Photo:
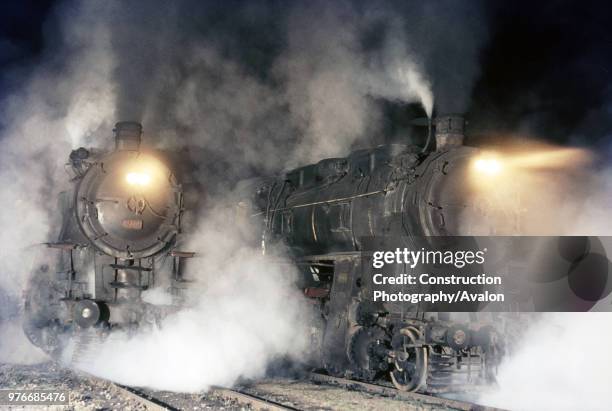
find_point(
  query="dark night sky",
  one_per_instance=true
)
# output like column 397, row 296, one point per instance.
column 21, row 29
column 548, row 63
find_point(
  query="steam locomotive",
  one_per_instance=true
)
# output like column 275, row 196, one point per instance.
column 121, row 223
column 325, row 212
column 121, row 232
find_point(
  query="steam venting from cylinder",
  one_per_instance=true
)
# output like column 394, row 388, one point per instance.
column 450, row 131
column 127, row 135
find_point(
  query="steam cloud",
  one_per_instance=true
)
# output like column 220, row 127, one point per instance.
column 562, row 363
column 244, row 314
column 299, row 82
column 63, row 103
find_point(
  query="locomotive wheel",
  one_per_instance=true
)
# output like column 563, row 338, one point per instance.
column 410, row 371
column 359, row 351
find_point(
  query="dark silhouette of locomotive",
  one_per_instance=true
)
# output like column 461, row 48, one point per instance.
column 122, row 221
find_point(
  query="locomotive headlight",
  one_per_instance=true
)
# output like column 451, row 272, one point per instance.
column 138, row 179
column 488, row 166
column 459, row 337
column 86, row 313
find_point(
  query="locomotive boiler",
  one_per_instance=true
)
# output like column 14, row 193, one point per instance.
column 323, row 212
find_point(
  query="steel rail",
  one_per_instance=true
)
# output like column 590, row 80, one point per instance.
column 393, row 392
column 255, row 402
column 154, row 404
column 149, row 402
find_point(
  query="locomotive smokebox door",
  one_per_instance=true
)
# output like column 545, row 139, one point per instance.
column 129, row 205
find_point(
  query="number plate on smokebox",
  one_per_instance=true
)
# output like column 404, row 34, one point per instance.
column 132, row 224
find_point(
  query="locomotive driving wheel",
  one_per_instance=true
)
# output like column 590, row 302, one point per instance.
column 410, row 372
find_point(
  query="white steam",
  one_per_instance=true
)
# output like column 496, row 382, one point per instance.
column 157, row 296
column 331, row 79
column 406, row 80
column 14, row 346
column 296, row 82
column 245, row 313
column 594, row 214
column 53, row 113
column 412, row 83
column 563, row 362
column 63, row 102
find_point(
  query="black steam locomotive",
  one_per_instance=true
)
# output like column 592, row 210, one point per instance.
column 324, row 212
column 122, row 223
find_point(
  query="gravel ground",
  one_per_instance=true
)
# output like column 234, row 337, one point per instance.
column 310, row 396
column 85, row 393
column 196, row 402
column 88, row 393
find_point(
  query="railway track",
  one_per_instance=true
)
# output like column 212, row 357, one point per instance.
column 424, row 399
column 152, row 402
column 255, row 402
column 309, row 392
column 148, row 402
column 255, row 398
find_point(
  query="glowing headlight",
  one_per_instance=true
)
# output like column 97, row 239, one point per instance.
column 86, row 313
column 459, row 337
column 488, row 166
column 138, row 179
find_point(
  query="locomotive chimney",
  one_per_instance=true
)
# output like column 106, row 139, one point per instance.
column 127, row 135
column 449, row 131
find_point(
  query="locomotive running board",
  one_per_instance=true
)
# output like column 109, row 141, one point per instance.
column 62, row 246
column 129, row 267
column 331, row 256
column 182, row 254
